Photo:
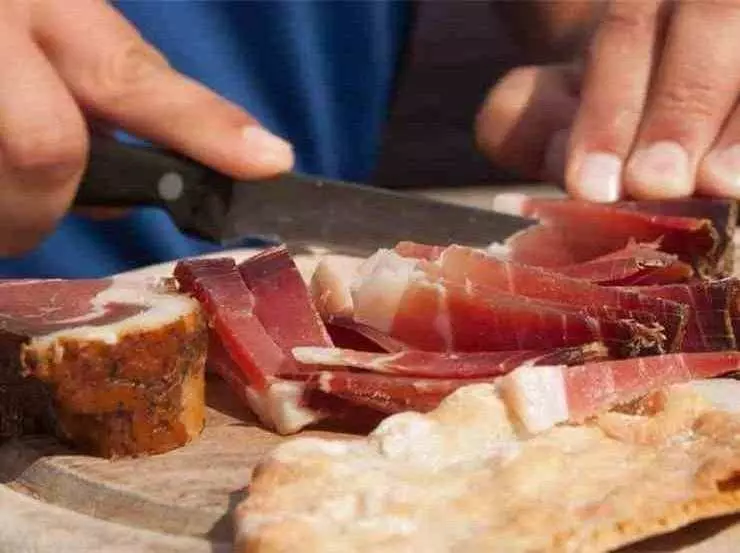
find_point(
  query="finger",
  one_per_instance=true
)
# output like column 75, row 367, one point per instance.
column 101, row 213
column 124, row 80
column 694, row 90
column 43, row 143
column 613, row 93
column 520, row 125
column 719, row 171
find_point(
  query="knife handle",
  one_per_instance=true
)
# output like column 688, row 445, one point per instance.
column 123, row 175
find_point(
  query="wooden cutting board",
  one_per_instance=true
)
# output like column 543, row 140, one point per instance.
column 55, row 500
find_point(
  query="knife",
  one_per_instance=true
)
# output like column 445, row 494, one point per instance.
column 296, row 209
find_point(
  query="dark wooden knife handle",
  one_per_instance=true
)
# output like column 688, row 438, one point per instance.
column 123, row 175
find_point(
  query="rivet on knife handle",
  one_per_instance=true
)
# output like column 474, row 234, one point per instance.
column 125, row 175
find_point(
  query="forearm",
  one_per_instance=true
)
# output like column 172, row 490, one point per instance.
column 550, row 30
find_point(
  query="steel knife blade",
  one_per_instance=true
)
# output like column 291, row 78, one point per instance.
column 296, row 209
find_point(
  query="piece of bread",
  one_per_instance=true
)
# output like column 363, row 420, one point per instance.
column 114, row 367
column 465, row 477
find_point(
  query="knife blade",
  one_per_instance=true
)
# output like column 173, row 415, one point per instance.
column 296, row 209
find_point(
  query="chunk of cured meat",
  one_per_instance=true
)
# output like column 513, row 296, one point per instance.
column 633, row 265
column 445, row 364
column 709, row 325
column 574, row 231
column 723, row 214
column 388, row 393
column 230, row 306
column 473, row 268
column 282, row 302
column 394, row 296
column 543, row 396
column 113, row 366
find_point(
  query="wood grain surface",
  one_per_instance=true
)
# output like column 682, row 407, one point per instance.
column 52, row 499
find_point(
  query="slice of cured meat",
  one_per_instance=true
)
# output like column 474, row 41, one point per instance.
column 709, row 325
column 393, row 295
column 475, row 269
column 282, row 301
column 445, row 365
column 349, row 334
column 633, row 265
column 545, row 396
column 574, row 231
column 230, row 307
column 723, row 214
column 115, row 367
column 388, row 394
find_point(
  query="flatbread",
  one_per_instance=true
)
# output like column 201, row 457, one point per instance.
column 465, row 477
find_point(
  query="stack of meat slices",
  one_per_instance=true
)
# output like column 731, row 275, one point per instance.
column 591, row 308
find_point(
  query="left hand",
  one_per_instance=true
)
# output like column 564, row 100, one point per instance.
column 652, row 113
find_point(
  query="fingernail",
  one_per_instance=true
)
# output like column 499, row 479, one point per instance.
column 661, row 169
column 266, row 149
column 600, row 177
column 554, row 162
column 723, row 167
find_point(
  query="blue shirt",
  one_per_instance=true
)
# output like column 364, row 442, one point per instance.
column 317, row 72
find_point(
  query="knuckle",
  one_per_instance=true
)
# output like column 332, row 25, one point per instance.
column 127, row 74
column 50, row 148
column 691, row 100
column 628, row 18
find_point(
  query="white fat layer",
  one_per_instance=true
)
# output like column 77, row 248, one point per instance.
column 499, row 251
column 336, row 357
column 316, row 355
column 325, row 382
column 280, row 406
column 330, row 285
column 511, row 203
column 721, row 393
column 537, row 395
column 161, row 308
column 378, row 288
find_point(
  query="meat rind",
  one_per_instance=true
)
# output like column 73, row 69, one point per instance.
column 722, row 212
column 712, row 305
column 463, row 478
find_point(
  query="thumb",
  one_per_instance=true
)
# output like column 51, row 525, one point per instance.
column 524, row 121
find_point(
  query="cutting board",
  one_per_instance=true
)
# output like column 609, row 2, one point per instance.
column 55, row 500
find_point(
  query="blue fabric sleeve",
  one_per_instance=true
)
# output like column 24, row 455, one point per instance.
column 318, row 72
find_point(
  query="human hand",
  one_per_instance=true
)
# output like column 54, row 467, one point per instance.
column 651, row 113
column 64, row 62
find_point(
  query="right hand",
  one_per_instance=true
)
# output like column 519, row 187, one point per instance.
column 61, row 63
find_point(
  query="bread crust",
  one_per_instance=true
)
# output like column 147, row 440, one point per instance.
column 464, row 477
